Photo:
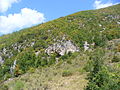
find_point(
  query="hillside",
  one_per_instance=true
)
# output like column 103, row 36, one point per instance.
column 70, row 53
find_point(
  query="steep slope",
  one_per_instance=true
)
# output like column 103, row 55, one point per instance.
column 60, row 41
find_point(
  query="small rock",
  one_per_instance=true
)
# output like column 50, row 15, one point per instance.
column 118, row 22
column 86, row 46
column 1, row 60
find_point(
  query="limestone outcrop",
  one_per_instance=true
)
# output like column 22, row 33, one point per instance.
column 62, row 48
column 1, row 60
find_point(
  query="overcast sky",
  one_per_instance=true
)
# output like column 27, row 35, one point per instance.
column 19, row 14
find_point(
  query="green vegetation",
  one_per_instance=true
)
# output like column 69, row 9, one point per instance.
column 100, row 78
column 28, row 48
column 51, row 77
column 66, row 73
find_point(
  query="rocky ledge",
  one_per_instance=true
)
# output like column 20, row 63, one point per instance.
column 62, row 48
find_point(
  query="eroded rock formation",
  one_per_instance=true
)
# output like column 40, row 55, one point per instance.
column 62, row 48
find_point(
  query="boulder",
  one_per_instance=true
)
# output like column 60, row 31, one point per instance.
column 12, row 68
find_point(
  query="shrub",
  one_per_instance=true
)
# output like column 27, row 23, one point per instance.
column 52, row 59
column 89, row 66
column 4, row 87
column 115, row 59
column 44, row 62
column 64, row 57
column 112, row 34
column 18, row 71
column 100, row 78
column 31, row 70
column 26, row 59
column 18, row 85
column 7, row 75
column 118, row 49
column 66, row 73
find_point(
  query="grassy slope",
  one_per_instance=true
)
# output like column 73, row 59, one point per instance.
column 53, row 77
column 78, row 27
column 72, row 25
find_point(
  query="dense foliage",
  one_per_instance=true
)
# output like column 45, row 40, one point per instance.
column 100, row 78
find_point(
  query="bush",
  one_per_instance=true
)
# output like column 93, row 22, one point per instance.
column 100, row 78
column 44, row 62
column 7, row 75
column 26, row 59
column 64, row 57
column 118, row 49
column 31, row 70
column 115, row 59
column 66, row 73
column 89, row 66
column 4, row 87
column 18, row 85
column 112, row 34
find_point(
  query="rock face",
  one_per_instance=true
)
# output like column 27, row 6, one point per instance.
column 13, row 67
column 86, row 46
column 1, row 60
column 62, row 48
